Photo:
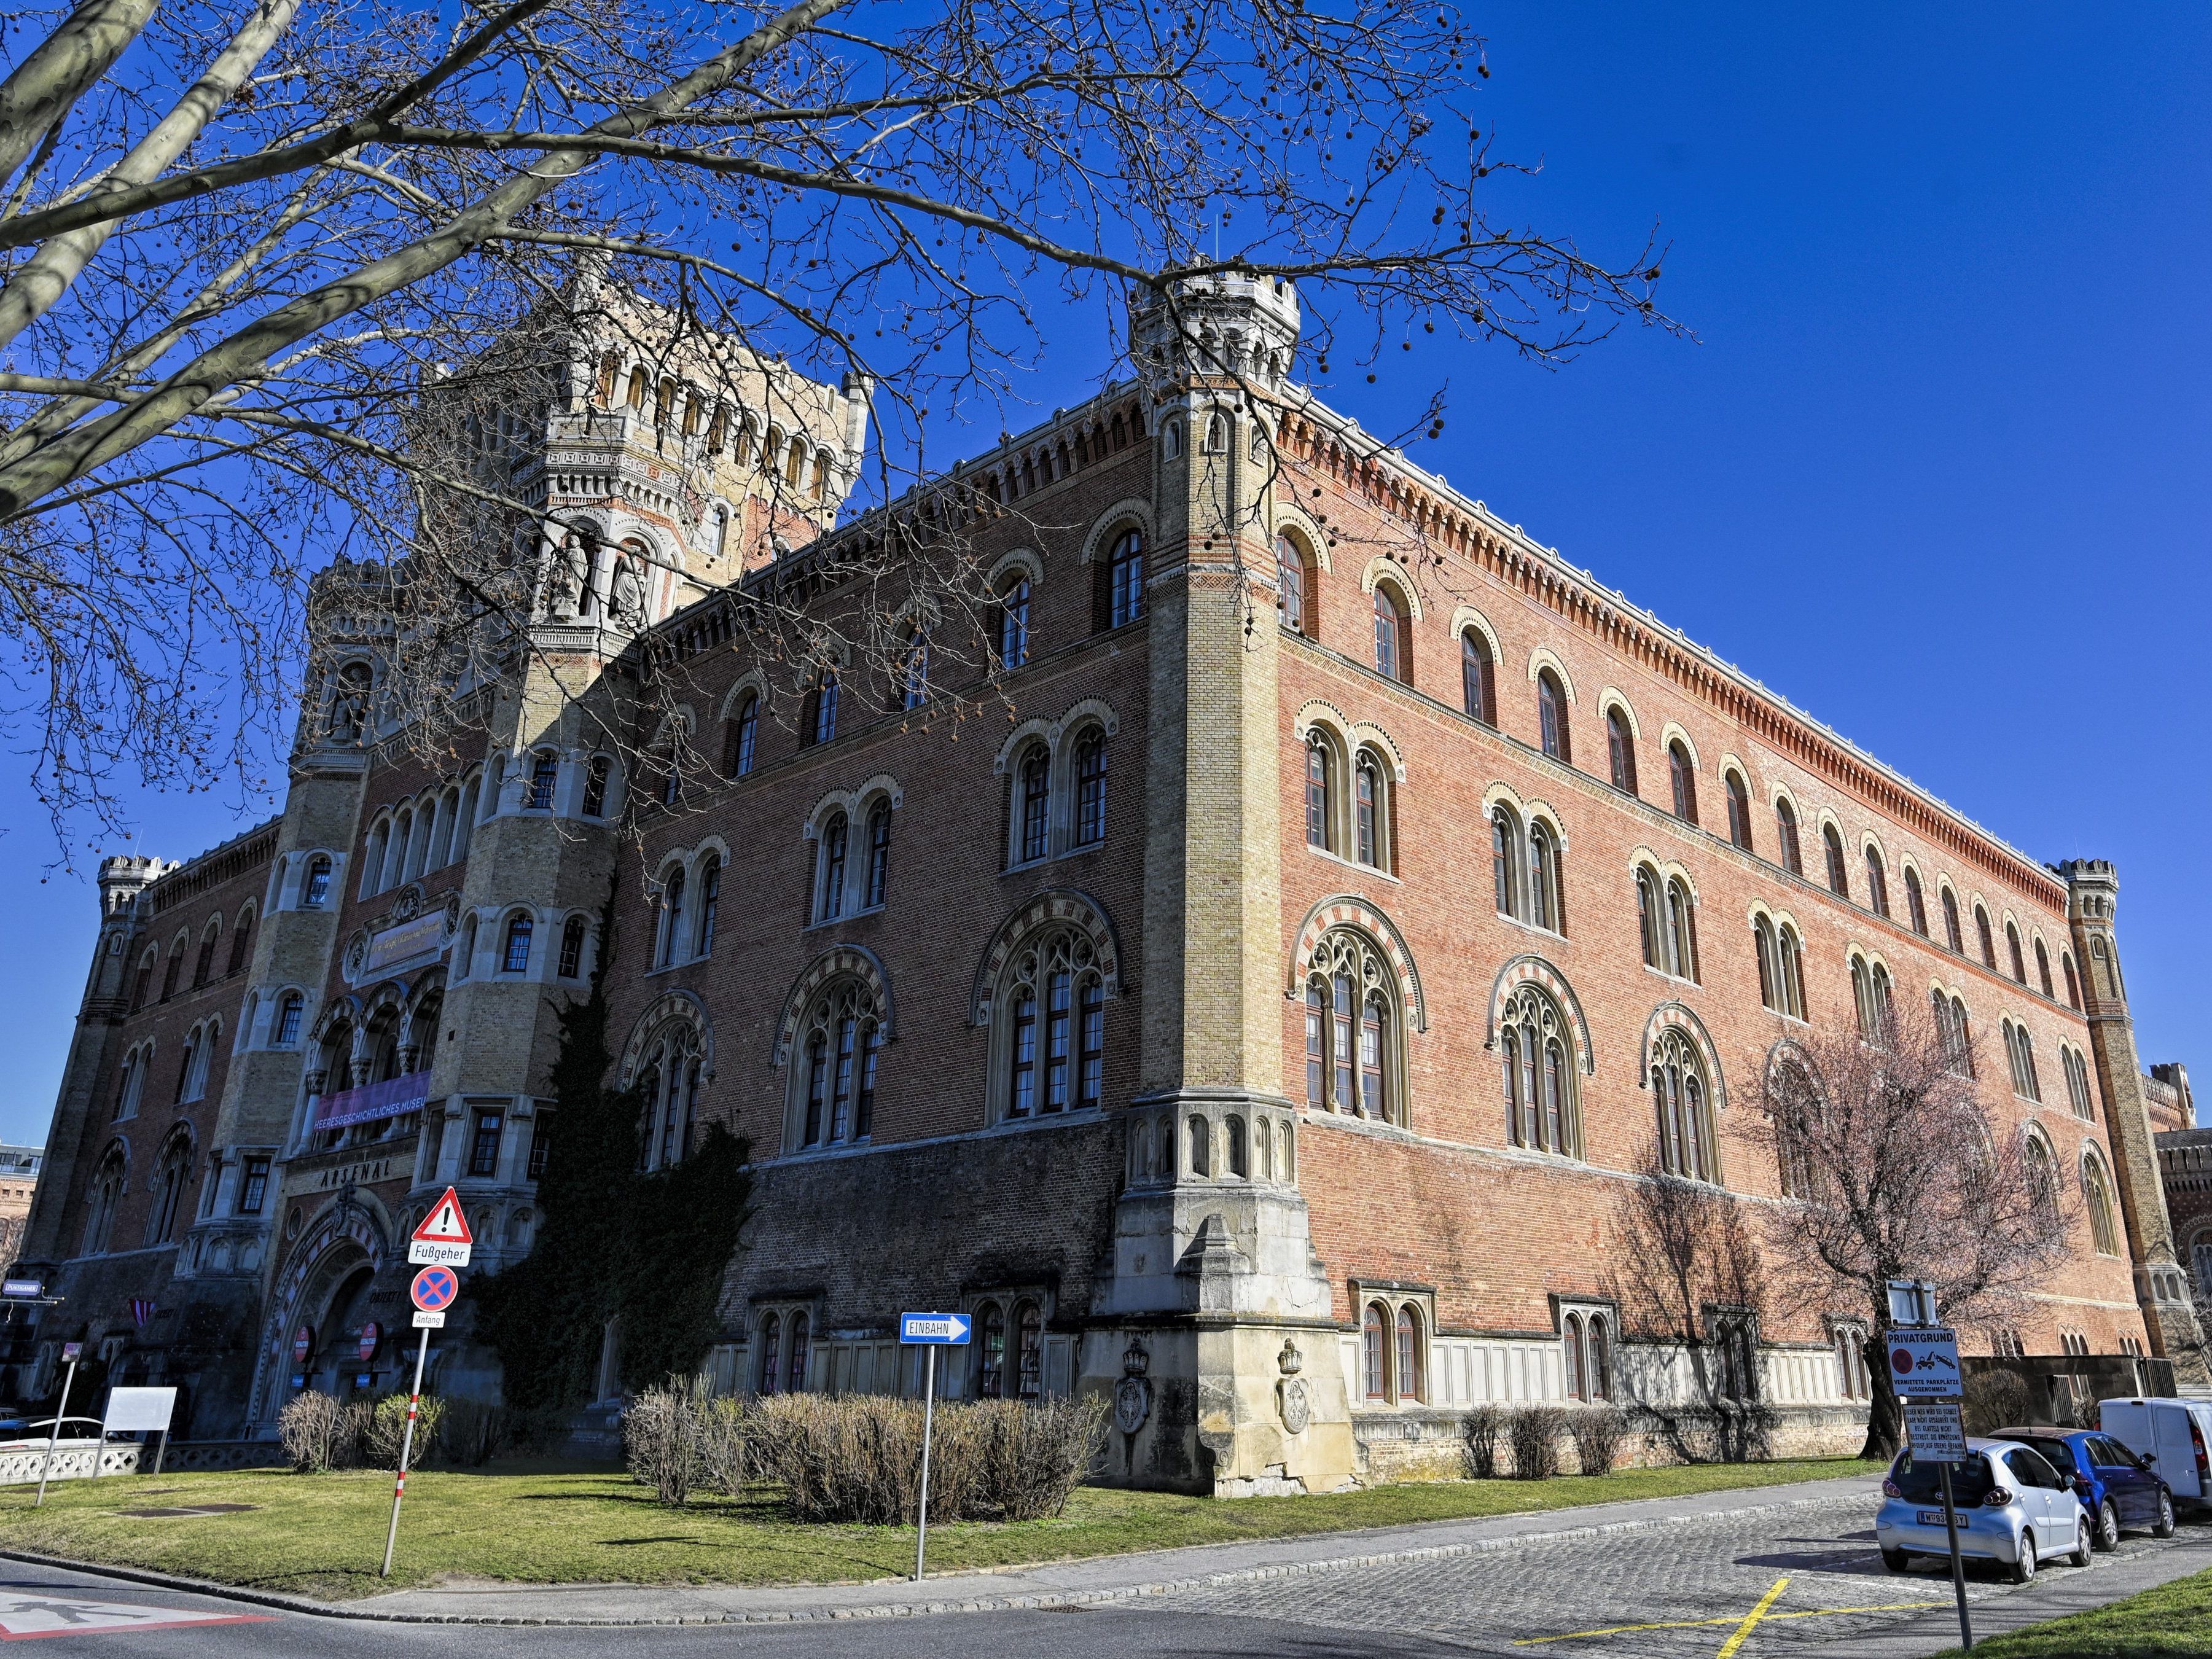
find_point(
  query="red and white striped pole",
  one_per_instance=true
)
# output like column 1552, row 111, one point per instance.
column 406, row 1446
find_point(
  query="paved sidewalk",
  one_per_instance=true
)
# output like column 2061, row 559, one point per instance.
column 1100, row 1579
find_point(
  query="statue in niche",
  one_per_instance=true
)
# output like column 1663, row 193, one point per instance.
column 627, row 599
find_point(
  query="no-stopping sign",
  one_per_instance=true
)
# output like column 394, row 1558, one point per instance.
column 433, row 1288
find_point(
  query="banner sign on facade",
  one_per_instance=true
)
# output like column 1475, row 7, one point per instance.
column 406, row 942
column 373, row 1101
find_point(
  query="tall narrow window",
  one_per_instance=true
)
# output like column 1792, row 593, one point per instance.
column 913, row 669
column 484, row 1146
column 1573, row 1334
column 879, row 854
column 1290, row 584
column 516, row 959
column 315, row 892
column 841, row 1079
column 744, row 735
column 799, row 1352
column 1504, row 836
column 1683, row 779
column 1014, row 623
column 203, row 964
column 1476, row 678
column 1317, row 791
column 1620, row 750
column 671, row 918
column 825, row 708
column 1366, row 807
column 710, row 904
column 290, row 1013
column 1785, row 830
column 1340, row 1004
column 1678, row 1089
column 1393, row 658
column 1372, row 1094
column 2012, row 948
column 1125, row 576
column 1916, row 902
column 1539, row 1097
column 1090, row 1039
column 2097, row 1187
column 1409, row 1356
column 2043, row 967
column 834, row 852
column 1373, row 1353
column 1022, row 1102
column 1952, row 936
column 864, row 1104
column 1091, row 790
column 1877, row 882
column 544, row 772
column 1543, row 883
column 1839, row 881
column 817, row 1088
column 1681, row 931
column 1988, row 939
column 771, row 1371
column 571, row 947
column 241, row 941
column 1551, row 716
column 2073, row 981
column 1739, row 811
column 1036, row 804
column 1651, row 919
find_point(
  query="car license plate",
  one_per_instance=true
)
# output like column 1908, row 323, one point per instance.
column 1931, row 1517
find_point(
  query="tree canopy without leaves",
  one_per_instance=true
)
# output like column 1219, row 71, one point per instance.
column 243, row 236
column 1896, row 1169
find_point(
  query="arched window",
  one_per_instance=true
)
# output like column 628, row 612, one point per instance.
column 203, row 964
column 170, row 1175
column 1838, row 879
column 710, row 904
column 1321, row 766
column 102, row 1202
column 1916, row 902
column 914, row 669
column 1620, row 751
column 1478, row 682
column 744, row 739
column 2077, row 1083
column 544, row 771
column 2042, row 1168
column 1090, row 789
column 840, row 1038
column 1785, row 831
column 1545, row 909
column 1374, row 1351
column 1033, row 839
column 1292, row 601
column 1877, row 882
column 241, row 941
column 991, row 1352
column 1682, row 1092
column 516, row 959
column 771, row 1376
column 1952, row 1029
column 291, row 1013
column 1029, row 1352
column 1681, row 932
column 1780, row 971
column 1505, row 855
column 671, row 940
column 1651, row 919
column 2022, row 1046
column 1552, row 717
column 315, row 890
column 1600, row 1360
column 1542, row 1108
column 1683, row 777
column 1354, row 992
column 2073, row 981
column 1367, row 811
column 671, row 781
column 879, row 855
column 1863, row 998
column 1014, row 623
column 572, row 948
column 1739, row 810
column 175, row 972
column 2097, row 1188
column 1573, row 1342
column 823, row 725
column 1125, row 579
column 829, row 863
column 1054, row 993
column 1394, row 655
column 2012, row 949
column 1952, row 935
column 1988, row 939
column 2043, row 968
column 1409, row 1355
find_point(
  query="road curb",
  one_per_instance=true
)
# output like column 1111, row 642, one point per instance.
column 916, row 1609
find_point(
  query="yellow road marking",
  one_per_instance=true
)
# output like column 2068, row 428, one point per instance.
column 1751, row 1620
column 1728, row 1619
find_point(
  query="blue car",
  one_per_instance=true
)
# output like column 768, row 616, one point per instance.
column 2116, row 1487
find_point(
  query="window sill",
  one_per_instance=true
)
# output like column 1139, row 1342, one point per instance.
column 1694, row 984
column 1027, row 864
column 1512, row 920
column 1374, row 870
column 826, row 922
column 1794, row 1019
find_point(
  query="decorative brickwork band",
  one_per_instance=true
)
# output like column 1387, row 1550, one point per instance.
column 854, row 959
column 671, row 1008
column 1059, row 904
column 1350, row 910
column 1520, row 971
column 1674, row 1016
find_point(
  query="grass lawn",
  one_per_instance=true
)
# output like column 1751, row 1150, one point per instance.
column 323, row 1535
column 2165, row 1623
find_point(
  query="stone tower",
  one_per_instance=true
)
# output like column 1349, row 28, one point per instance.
column 1215, row 1279
column 2161, row 1283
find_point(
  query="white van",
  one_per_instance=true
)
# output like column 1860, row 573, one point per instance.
column 2174, row 1436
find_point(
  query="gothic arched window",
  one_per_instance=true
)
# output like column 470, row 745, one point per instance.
column 2097, row 1188
column 1090, row 789
column 1682, row 1093
column 1125, row 579
column 879, row 855
column 1877, row 882
column 1953, row 936
column 1291, row 599
column 1477, row 678
column 839, row 1045
column 1683, row 775
column 1988, row 939
column 1014, row 622
column 2042, row 968
column 2012, row 949
column 671, row 918
column 170, row 1175
column 1916, row 902
column 1367, row 812
column 1354, row 1038
column 1739, row 810
column 1537, row 1047
column 1033, row 785
column 1394, row 655
column 1785, row 831
column 745, row 741
column 1052, row 996
column 1620, row 751
column 572, row 948
column 1552, row 717
column 830, row 859
column 1839, row 881
column 1321, row 766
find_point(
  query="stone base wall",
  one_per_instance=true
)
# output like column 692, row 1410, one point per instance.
column 74, row 1460
column 1412, row 1445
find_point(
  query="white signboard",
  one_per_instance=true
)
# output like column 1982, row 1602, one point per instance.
column 1937, row 1434
column 132, row 1409
column 1923, row 1363
column 425, row 1320
column 429, row 1253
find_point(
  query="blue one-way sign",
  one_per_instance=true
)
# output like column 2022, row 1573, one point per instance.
column 935, row 1329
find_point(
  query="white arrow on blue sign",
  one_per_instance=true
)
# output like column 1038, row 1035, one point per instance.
column 950, row 1329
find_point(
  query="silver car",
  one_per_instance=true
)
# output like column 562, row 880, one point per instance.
column 2012, row 1508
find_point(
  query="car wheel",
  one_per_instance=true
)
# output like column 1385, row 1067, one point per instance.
column 2108, row 1527
column 2080, row 1557
column 2163, row 1527
column 2024, row 1569
column 1896, row 1560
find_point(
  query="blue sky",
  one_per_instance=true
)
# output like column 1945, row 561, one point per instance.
column 1925, row 470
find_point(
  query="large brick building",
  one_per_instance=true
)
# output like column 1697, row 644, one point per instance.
column 1262, row 1023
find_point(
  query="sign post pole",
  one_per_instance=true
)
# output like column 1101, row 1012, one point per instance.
column 54, row 1429
column 929, row 1332
column 406, row 1445
column 1925, row 1378
column 1958, row 1571
column 928, row 1422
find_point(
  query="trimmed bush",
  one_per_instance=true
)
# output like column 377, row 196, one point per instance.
column 383, row 1427
column 1485, row 1425
column 1533, row 1432
column 859, row 1458
column 679, row 1437
column 308, row 1425
column 1597, row 1431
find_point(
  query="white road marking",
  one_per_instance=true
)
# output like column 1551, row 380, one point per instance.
column 22, row 1617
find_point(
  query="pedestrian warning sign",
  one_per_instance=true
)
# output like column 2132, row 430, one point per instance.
column 443, row 1239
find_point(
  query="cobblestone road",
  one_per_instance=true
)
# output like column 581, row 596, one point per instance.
column 1703, row 1577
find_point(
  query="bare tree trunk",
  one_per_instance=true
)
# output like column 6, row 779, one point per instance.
column 1885, row 1417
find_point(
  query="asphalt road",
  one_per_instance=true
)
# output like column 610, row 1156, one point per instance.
column 1808, row 1580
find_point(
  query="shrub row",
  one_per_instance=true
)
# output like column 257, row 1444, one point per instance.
column 318, row 1433
column 1525, row 1440
column 858, row 1458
